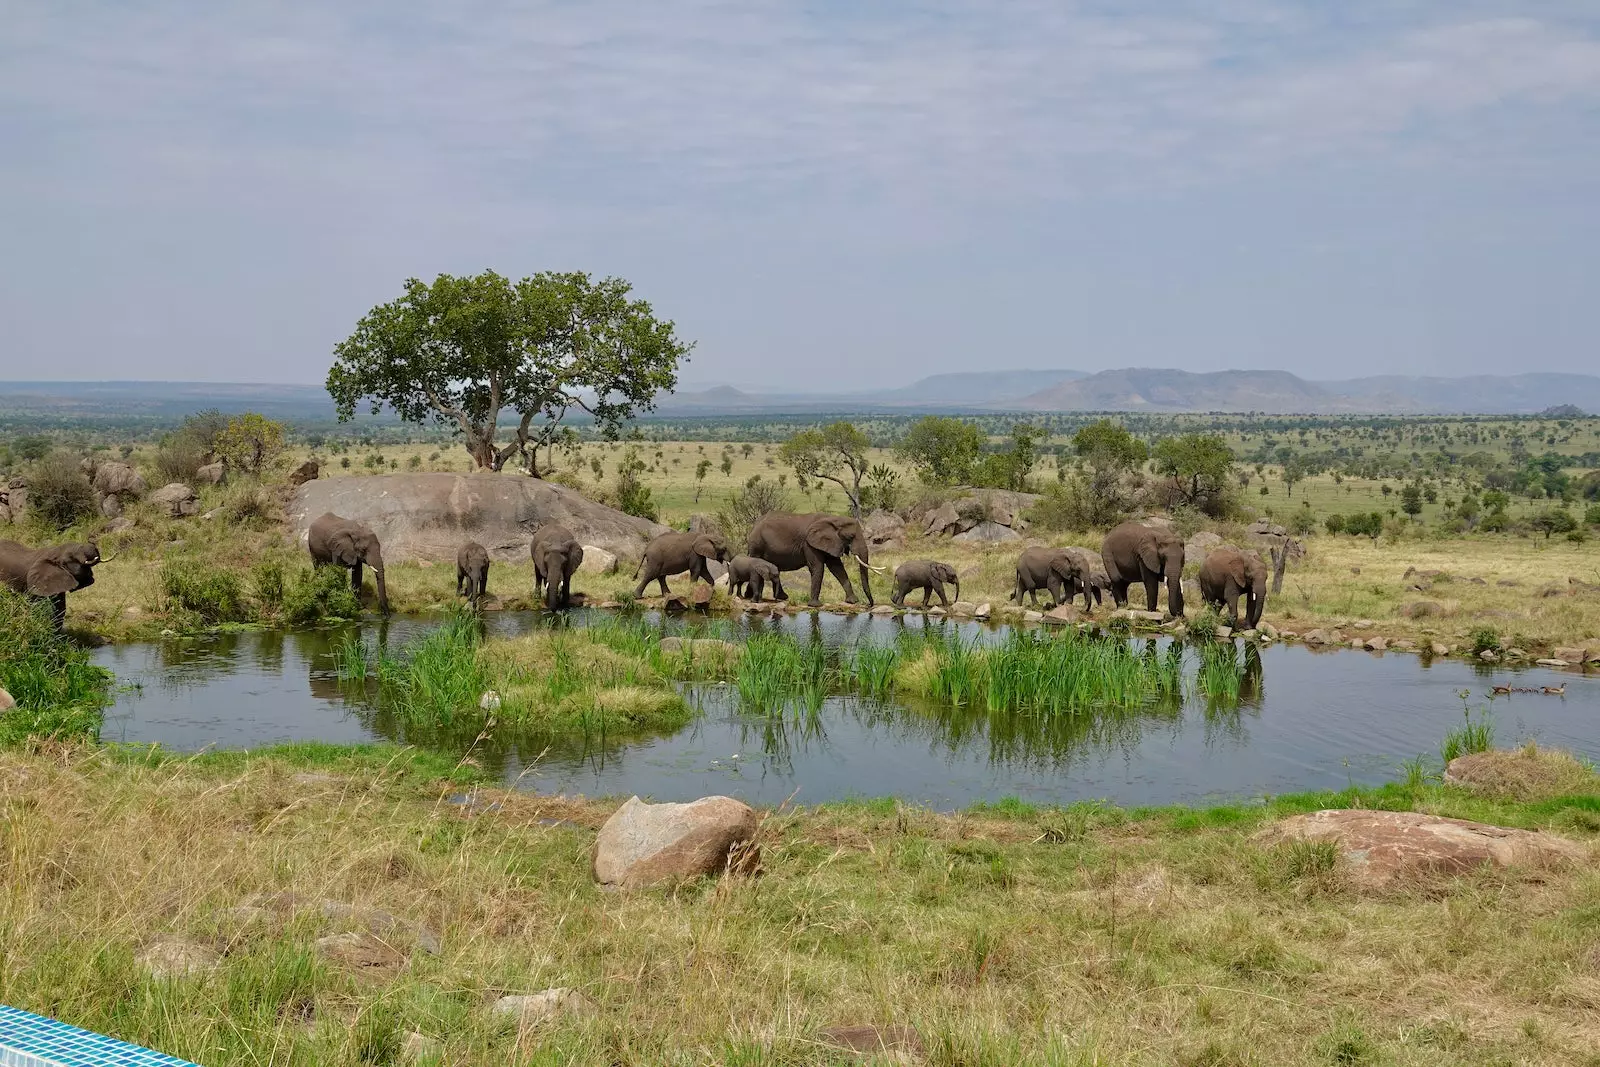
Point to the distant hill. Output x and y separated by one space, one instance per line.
1524 394
1155 389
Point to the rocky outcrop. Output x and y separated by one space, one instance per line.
654 844
177 499
884 529
1579 654
988 508
942 521
113 479
427 516
989 533
14 500
217 473
309 471
1380 848
1200 545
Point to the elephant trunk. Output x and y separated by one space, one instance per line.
1175 594
958 588
1258 602
383 590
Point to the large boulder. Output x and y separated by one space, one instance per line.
652 844
427 516
1004 506
14 501
1200 545
943 519
597 560
1382 847
119 480
884 529
217 473
177 498
308 471
989 533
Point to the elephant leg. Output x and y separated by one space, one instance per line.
460 578
927 594
483 583
638 590
756 585
1119 592
836 568
355 580
778 591
942 598
1152 591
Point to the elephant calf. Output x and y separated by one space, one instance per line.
674 553
748 578
1056 570
472 572
556 555
927 575
1228 573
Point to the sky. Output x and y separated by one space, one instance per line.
826 195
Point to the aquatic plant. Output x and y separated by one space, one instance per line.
59 693
1221 674
776 672
1471 736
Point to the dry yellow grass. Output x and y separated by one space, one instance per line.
1075 937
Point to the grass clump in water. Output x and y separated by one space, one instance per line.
1471 736
59 693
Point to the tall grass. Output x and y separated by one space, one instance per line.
1471 736
59 693
1220 676
437 678
775 672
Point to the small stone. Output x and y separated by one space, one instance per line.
1061 613
1224 632
7 701
866 1040
420 1048
490 701
237 920
1488 655
1439 649
1356 642
936 610
1552 663
1268 630
1516 653
360 951
1361 624
171 957
1032 616
982 611
1377 644
883 609
1403 644
379 922
534 1009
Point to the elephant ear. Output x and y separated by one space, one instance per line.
342 547
1150 556
704 546
823 535
47 577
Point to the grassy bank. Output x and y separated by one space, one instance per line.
1005 935
59 694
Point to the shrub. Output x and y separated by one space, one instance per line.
1496 521
59 693
1302 523
59 492
1485 639
1070 506
250 442
633 496
249 505
267 580
1334 524
745 506
213 594
319 594
1591 515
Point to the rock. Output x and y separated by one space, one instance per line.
1575 654
1488 655
427 516
119 480
217 473
884 529
1355 642
7 701
675 605
899 1042
360 951
936 610
1477 581
1552 663
381 923
1224 632
419 1048
700 596
1355 570
173 957
1402 644
1509 583
882 609
119 524
982 611
1266 528
1288 635
1361 624
597 560
489 701
1268 630
1200 545
1421 609
238 920
989 533
1317 637
178 499
534 1009
1032 616
1516 653
650 844
1062 613
1380 847
699 523
942 520
308 471
1376 644
963 607
1437 649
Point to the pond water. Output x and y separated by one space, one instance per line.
1307 720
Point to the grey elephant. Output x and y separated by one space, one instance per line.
1227 574
556 555
1052 569
928 575
748 577
1134 552
674 553
1093 580
336 541
815 542
49 573
472 572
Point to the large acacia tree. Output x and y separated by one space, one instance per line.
463 350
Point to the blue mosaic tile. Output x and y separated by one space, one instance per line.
28 1040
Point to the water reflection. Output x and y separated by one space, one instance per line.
1329 719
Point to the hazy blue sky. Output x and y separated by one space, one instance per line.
873 191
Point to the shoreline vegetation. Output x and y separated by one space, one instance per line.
1004 933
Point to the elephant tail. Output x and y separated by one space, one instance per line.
637 567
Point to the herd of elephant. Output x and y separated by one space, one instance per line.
1130 554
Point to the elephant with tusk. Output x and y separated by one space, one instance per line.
336 541
817 543
49 573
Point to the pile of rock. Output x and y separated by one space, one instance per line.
13 500
115 486
991 516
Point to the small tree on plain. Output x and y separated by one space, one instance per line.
836 453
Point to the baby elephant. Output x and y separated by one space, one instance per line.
926 575
748 578
472 572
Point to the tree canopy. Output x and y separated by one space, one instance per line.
837 453
942 448
463 350
1199 466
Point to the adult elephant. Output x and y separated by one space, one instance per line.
1051 569
49 573
674 553
1227 574
337 541
1134 552
556 555
814 542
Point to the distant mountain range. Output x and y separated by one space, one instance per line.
1166 390
1134 389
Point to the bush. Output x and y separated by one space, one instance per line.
59 693
250 505
1591 515
1485 639
59 492
1496 521
633 496
1302 523
320 594
213 594
267 579
250 442
745 506
1334 524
